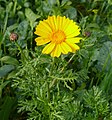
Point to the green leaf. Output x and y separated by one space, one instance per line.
31 16
9 60
6 108
71 13
9 6
110 2
4 70
22 32
105 56
12 27
52 2
106 83
4 84
66 3
11 74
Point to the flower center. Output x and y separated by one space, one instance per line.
58 36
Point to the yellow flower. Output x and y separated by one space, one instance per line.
59 33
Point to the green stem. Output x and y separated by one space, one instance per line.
21 51
4 31
48 91
1 89
14 8
52 65
6 20
53 83
31 39
50 73
67 63
58 2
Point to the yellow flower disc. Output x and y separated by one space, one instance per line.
60 35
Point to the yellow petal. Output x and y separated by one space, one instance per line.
43 29
41 41
41 33
62 22
73 46
59 22
55 22
76 33
56 52
66 23
62 50
52 22
65 48
72 27
45 25
74 40
48 48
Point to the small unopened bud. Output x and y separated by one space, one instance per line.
13 36
87 34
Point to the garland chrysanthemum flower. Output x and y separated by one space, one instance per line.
60 35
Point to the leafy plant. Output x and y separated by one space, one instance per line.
96 104
72 87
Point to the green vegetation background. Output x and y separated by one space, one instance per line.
76 86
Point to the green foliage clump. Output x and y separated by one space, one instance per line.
72 87
96 104
42 100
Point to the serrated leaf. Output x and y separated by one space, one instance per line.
4 70
9 60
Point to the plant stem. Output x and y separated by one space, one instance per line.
21 51
6 20
14 8
48 91
4 31
67 63
48 87
55 80
52 65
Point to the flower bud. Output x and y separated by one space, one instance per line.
87 34
13 36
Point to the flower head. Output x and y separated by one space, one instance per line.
59 33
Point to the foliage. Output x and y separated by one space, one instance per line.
76 86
